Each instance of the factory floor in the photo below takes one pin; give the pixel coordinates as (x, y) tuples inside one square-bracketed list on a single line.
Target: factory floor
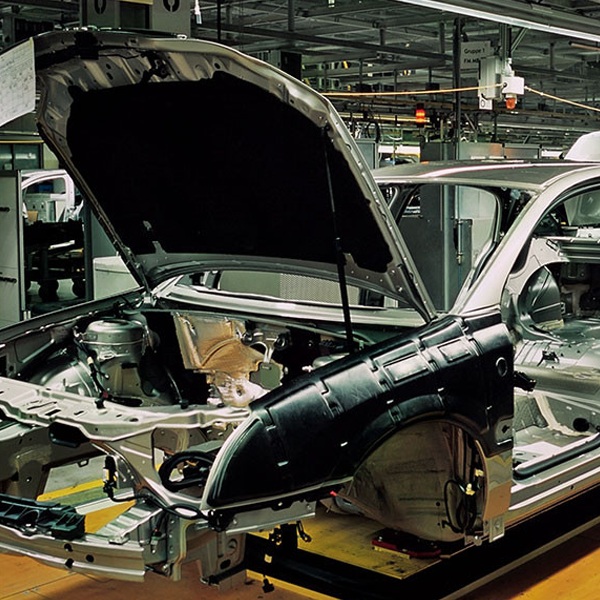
[(568, 571)]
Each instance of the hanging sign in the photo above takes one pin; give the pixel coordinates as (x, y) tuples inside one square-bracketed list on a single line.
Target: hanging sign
[(472, 52)]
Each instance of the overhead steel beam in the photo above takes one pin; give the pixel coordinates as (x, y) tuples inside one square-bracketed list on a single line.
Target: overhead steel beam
[(320, 27), (513, 124), (519, 14), (588, 75), (339, 10), (341, 73), (518, 38), (347, 8), (325, 41), (50, 4), (392, 36), (271, 15), (422, 19), (371, 29), (309, 60)]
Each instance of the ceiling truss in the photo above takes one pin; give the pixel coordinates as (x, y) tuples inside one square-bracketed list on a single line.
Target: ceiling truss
[(407, 45)]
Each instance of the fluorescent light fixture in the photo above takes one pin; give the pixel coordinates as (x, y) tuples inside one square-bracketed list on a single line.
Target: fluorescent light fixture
[(544, 127), (539, 21)]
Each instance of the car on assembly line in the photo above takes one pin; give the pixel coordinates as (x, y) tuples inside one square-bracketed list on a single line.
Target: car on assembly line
[(53, 236), (49, 196), (284, 347)]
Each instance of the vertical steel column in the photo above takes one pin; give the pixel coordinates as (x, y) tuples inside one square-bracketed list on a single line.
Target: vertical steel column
[(456, 50), (449, 200), (360, 75), (219, 25), (505, 42), (291, 15), (229, 19), (442, 37)]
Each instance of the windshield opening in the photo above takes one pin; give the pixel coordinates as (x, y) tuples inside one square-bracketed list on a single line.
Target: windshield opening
[(289, 287), (449, 229)]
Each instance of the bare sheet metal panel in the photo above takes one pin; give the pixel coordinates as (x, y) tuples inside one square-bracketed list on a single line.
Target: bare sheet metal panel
[(12, 281)]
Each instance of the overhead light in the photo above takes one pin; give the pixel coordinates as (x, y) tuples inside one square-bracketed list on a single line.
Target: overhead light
[(539, 127), (464, 8)]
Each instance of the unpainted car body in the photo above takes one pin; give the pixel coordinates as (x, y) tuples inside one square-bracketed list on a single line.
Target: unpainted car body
[(49, 195), (53, 235), (537, 265), (282, 348)]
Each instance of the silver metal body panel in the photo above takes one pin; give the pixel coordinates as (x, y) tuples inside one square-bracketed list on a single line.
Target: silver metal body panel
[(176, 519)]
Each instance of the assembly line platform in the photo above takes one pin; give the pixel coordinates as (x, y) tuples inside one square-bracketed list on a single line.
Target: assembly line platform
[(566, 570)]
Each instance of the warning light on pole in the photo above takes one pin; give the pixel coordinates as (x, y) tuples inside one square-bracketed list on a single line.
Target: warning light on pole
[(420, 115)]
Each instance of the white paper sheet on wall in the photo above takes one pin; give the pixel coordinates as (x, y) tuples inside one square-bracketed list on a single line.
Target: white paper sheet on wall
[(17, 82)]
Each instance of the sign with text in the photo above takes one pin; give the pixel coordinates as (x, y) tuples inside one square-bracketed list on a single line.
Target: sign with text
[(472, 52), (17, 82)]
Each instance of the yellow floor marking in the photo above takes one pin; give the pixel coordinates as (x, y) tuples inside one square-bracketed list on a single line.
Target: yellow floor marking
[(96, 519), (74, 489), (99, 518), (346, 538)]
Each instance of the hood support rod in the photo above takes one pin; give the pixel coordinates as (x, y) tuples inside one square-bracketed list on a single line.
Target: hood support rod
[(339, 254)]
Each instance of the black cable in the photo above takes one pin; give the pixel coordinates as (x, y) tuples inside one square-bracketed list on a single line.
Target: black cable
[(183, 402), (110, 482), (196, 475), (465, 513), (454, 528), (109, 490), (173, 509)]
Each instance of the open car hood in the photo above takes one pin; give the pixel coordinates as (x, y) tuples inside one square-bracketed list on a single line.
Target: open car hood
[(196, 157)]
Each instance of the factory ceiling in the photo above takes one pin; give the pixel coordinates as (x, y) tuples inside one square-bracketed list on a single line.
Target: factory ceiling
[(406, 46)]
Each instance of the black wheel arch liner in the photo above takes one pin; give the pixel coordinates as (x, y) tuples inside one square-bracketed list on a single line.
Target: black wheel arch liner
[(317, 430)]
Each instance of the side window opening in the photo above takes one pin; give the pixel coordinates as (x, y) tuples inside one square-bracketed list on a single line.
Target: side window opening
[(46, 200), (299, 288), (555, 285), (551, 304), (458, 225)]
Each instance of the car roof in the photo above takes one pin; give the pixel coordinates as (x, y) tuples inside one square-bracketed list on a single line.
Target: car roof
[(42, 173), (491, 173)]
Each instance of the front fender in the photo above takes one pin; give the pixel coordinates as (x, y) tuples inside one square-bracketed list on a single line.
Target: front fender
[(311, 435)]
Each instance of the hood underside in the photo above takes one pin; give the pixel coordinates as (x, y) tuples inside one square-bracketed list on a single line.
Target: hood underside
[(197, 157)]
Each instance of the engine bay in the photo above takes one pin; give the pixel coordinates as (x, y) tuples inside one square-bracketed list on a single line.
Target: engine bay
[(161, 361), (166, 358)]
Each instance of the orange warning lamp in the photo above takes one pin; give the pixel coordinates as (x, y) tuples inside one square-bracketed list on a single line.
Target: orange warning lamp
[(420, 115)]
